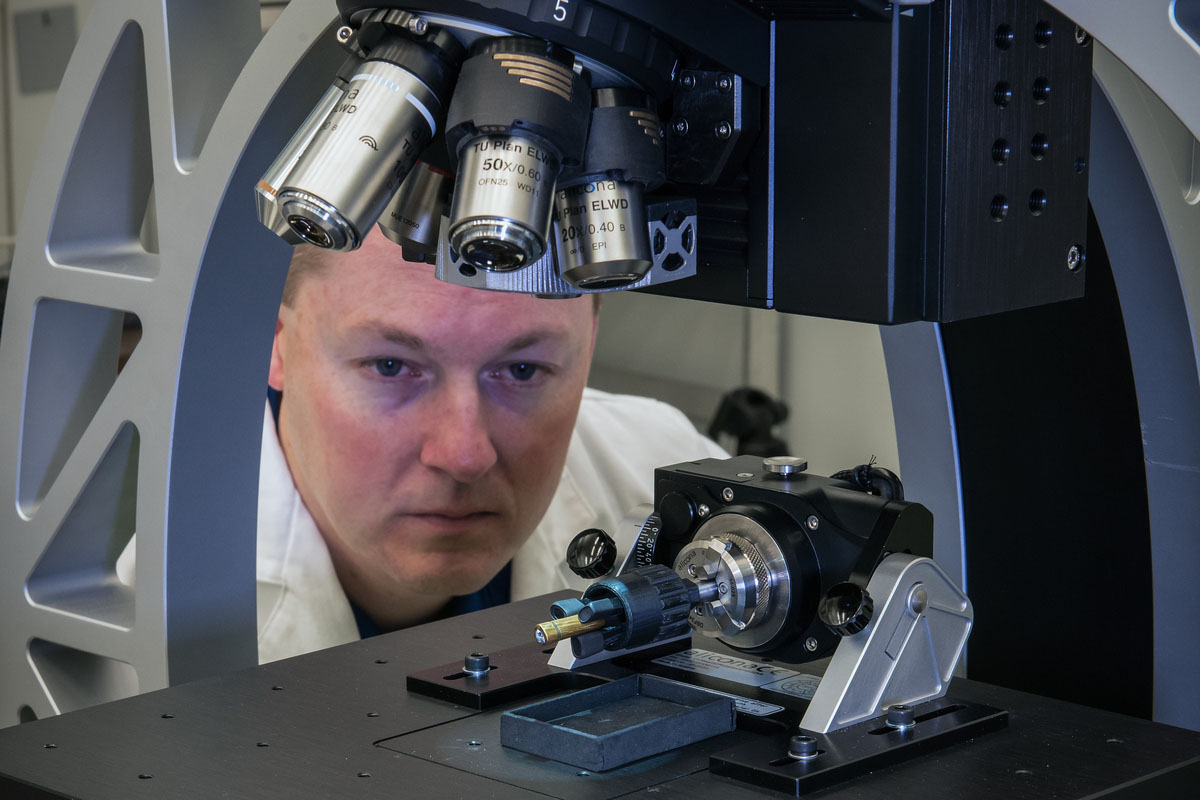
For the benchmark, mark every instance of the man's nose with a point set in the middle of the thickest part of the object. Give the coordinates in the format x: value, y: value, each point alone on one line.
x: 457, y: 440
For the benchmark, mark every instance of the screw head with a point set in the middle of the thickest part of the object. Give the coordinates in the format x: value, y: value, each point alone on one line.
x: 688, y: 81
x: 812, y: 522
x: 745, y: 474
x: 900, y: 716
x: 811, y: 644
x: 727, y: 494
x: 1075, y: 257
x: 1082, y: 37
x: 681, y: 127
x: 724, y: 83
x: 418, y: 25
x: 477, y: 664
x: 703, y: 510
x: 802, y: 747
x: 724, y: 130
x: 723, y: 588
x: 344, y: 33
x: 918, y: 599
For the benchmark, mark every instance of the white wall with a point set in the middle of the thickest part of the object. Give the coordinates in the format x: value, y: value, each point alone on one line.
x: 830, y: 373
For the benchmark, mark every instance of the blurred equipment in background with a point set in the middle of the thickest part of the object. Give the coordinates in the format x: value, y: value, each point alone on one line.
x: 750, y: 415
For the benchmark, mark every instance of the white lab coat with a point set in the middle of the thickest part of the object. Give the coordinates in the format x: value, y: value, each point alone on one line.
x: 617, y: 442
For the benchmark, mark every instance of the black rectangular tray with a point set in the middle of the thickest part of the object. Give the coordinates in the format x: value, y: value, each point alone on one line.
x: 611, y: 725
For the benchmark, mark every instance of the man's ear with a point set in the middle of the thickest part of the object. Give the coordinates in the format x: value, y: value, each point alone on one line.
x: 275, y: 373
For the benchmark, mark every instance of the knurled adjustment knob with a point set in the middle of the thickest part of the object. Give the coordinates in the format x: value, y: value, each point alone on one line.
x: 785, y: 465
x: 846, y: 608
x: 592, y: 553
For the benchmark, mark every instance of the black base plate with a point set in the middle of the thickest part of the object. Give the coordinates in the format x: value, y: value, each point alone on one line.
x: 858, y: 749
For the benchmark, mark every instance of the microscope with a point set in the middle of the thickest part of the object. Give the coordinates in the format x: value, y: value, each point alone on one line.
x: 780, y: 630
x: 574, y: 148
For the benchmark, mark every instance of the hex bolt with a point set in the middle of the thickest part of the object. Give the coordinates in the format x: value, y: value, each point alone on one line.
x: 813, y: 523
x: 724, y: 83
x: 727, y: 494
x: 703, y: 510
x: 724, y: 130
x: 900, y: 717
x: 811, y: 644
x: 344, y: 33
x: 477, y: 664
x: 1075, y: 258
x: 417, y: 26
x: 802, y: 747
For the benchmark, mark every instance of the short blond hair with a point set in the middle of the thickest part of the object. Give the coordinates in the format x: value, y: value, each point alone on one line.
x: 306, y: 259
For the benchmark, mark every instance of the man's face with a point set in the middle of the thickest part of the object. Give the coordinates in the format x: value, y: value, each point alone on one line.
x: 425, y: 424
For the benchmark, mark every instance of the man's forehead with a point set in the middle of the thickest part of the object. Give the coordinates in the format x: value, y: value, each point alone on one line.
x: 377, y: 276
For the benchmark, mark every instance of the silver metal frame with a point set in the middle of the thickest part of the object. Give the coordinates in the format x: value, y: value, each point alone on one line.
x: 164, y: 99
x: 161, y: 101
x: 907, y: 653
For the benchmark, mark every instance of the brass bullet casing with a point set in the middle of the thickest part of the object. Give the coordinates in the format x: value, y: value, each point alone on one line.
x: 556, y: 629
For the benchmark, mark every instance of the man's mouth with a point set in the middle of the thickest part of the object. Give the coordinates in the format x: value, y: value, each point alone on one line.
x: 453, y: 514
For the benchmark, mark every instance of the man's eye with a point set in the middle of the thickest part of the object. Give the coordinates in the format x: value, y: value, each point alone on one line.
x: 388, y: 367
x: 522, y: 372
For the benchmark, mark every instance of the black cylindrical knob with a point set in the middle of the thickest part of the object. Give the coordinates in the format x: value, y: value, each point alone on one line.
x: 846, y: 608
x: 591, y: 554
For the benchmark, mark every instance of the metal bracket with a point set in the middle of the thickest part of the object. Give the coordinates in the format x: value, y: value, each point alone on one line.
x: 907, y: 653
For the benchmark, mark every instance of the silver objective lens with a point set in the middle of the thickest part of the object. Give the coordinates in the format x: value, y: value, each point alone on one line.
x: 267, y: 190
x: 413, y: 218
x: 600, y: 230
x: 357, y: 159
x: 501, y: 207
